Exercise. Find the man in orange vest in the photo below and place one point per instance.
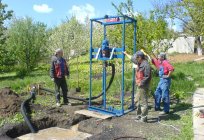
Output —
(142, 79)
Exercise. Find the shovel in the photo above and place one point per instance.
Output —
(78, 89)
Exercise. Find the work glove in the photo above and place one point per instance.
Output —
(139, 84)
(53, 79)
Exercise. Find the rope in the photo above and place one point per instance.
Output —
(159, 122)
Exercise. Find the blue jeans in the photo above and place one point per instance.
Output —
(162, 93)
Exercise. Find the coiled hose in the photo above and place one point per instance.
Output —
(33, 92)
(92, 98)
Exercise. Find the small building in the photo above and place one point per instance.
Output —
(183, 45)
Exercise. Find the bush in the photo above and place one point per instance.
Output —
(21, 72)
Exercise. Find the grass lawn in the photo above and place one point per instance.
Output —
(184, 81)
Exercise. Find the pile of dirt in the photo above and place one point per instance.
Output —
(9, 102)
(45, 117)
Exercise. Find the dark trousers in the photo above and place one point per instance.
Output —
(61, 83)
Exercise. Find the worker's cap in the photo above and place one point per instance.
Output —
(162, 55)
(139, 53)
(58, 50)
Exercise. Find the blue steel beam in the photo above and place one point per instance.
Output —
(109, 17)
(90, 80)
(115, 50)
(118, 22)
(123, 63)
(123, 22)
(133, 71)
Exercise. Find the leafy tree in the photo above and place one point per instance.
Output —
(152, 28)
(27, 41)
(4, 54)
(189, 13)
(71, 36)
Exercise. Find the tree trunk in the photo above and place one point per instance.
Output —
(199, 46)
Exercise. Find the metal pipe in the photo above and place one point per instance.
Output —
(133, 71)
(123, 66)
(90, 78)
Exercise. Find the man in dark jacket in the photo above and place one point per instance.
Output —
(142, 79)
(58, 71)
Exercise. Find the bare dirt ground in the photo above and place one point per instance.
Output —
(125, 127)
(9, 102)
(181, 58)
(44, 117)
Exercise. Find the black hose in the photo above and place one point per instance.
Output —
(109, 84)
(23, 111)
(70, 97)
(32, 97)
(93, 98)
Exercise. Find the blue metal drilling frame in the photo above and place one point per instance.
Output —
(94, 53)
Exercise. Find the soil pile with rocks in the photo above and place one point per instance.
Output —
(9, 102)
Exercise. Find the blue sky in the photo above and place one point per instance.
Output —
(52, 12)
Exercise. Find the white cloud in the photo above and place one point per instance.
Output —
(82, 11)
(43, 8)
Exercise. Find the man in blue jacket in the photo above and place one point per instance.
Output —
(58, 71)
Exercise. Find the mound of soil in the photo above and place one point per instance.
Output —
(9, 102)
(45, 117)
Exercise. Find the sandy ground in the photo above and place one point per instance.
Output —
(180, 58)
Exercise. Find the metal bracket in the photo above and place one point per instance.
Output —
(111, 56)
(99, 50)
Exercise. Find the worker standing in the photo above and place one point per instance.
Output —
(142, 77)
(58, 71)
(162, 90)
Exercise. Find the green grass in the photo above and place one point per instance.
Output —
(181, 87)
(186, 122)
(17, 118)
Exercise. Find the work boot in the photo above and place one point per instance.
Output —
(69, 104)
(143, 119)
(157, 109)
(163, 113)
(138, 117)
(58, 104)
